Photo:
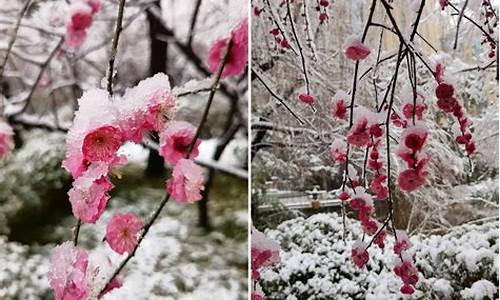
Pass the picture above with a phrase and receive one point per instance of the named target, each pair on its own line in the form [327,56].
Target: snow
[316,263]
[479,290]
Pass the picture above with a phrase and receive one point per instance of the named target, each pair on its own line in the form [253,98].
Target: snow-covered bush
[316,263]
[27,187]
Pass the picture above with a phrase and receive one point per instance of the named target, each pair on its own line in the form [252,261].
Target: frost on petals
[356,50]
[238,54]
[187,182]
[6,139]
[68,272]
[121,232]
[175,141]
[89,193]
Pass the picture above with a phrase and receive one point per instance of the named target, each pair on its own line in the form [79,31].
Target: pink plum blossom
[81,17]
[6,139]
[338,151]
[68,272]
[175,141]
[146,107]
[187,182]
[101,144]
[406,270]
[121,232]
[359,254]
[238,54]
[402,242]
[95,111]
[356,50]
[264,252]
[306,98]
[89,193]
[410,180]
[338,105]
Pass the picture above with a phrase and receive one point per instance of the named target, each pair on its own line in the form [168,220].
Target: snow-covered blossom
[95,111]
[359,254]
[356,50]
[365,124]
[6,139]
[406,270]
[413,139]
[306,98]
[238,53]
[338,151]
[175,141]
[187,182]
[402,242]
[81,18]
[121,232]
[146,107]
[89,193]
[338,105]
[264,252]
[68,272]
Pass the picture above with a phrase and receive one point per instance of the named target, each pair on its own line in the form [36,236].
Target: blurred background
[193,251]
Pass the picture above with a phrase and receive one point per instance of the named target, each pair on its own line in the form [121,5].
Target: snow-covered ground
[316,263]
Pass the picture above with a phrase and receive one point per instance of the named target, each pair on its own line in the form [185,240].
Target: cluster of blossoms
[100,127]
[367,133]
[404,267]
[322,9]
[448,102]
[279,38]
[81,14]
[488,12]
[6,138]
[102,124]
[411,150]
[264,252]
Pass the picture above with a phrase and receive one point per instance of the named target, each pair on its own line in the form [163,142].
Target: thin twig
[458,24]
[193,22]
[114,46]
[277,97]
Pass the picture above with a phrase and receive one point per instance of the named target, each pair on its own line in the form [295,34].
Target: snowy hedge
[316,263]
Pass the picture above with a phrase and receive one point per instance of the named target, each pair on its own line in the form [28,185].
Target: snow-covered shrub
[28,176]
[316,263]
